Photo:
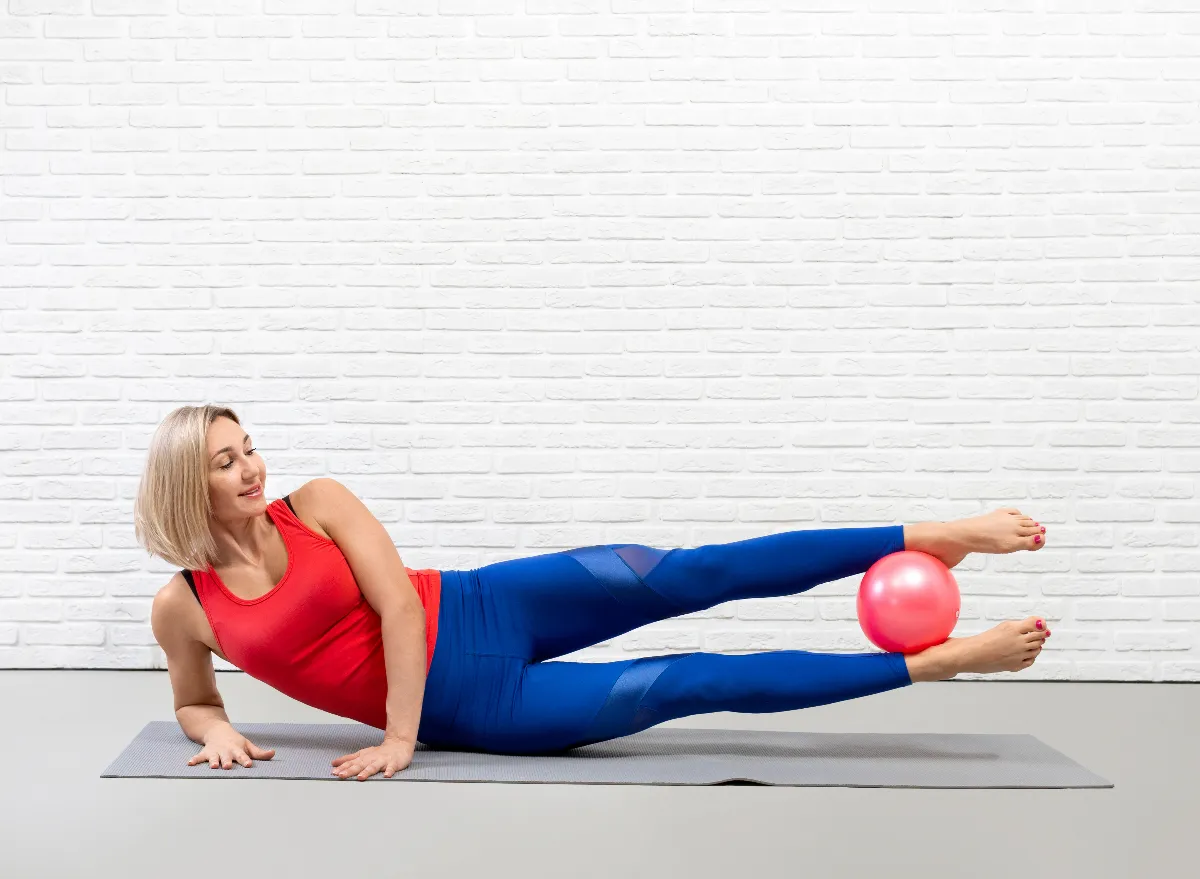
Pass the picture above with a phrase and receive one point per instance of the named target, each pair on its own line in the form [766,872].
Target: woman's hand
[226,745]
[392,756]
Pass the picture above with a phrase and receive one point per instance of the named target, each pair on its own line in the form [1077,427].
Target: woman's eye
[230,464]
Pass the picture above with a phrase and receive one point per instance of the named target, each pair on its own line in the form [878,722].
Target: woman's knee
[693,579]
[697,683]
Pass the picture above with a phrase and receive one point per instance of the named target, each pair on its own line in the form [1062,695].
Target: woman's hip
[483,690]
[472,665]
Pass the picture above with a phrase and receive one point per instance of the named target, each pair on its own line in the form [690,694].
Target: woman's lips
[253,493]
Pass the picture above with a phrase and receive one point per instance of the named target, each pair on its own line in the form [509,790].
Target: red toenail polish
[1043,530]
[1039,624]
[1037,538]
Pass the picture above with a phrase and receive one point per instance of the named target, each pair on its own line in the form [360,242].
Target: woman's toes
[1033,624]
[1031,534]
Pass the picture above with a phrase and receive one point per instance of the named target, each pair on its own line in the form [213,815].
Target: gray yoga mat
[662,755]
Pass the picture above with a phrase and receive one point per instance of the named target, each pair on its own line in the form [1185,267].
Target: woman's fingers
[218,760]
[234,756]
[226,756]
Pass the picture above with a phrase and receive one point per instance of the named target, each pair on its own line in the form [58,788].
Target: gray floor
[58,818]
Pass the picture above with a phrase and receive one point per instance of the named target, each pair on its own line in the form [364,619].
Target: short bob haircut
[173,509]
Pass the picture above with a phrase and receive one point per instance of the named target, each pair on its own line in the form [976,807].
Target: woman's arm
[404,653]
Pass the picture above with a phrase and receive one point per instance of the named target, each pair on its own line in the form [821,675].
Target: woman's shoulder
[305,504]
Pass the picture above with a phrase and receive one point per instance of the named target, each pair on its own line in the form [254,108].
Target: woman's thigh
[483,692]
[509,706]
[544,606]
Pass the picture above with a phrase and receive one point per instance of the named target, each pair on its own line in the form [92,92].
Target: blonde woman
[308,594]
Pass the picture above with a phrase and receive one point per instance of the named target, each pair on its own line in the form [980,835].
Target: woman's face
[234,468]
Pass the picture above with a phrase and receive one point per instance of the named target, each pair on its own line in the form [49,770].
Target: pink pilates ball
[908,601]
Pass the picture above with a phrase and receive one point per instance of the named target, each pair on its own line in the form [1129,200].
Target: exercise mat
[674,756]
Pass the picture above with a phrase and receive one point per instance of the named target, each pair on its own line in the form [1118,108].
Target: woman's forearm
[197,721]
[404,653]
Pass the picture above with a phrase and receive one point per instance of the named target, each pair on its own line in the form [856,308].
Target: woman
[267,587]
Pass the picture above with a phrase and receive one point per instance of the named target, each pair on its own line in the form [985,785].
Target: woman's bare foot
[1001,531]
[1011,646]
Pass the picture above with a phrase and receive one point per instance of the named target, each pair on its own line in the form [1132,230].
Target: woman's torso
[300,623]
[250,583]
[297,540]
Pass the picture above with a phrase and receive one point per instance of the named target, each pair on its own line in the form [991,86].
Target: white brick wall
[531,275]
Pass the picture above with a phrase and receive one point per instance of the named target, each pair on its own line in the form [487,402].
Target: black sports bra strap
[187,575]
[288,498]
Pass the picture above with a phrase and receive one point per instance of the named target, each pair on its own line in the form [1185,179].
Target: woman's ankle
[932,664]
[923,535]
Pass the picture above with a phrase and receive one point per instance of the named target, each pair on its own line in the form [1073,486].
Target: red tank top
[314,636]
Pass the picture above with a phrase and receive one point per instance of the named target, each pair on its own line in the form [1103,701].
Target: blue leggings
[491,687]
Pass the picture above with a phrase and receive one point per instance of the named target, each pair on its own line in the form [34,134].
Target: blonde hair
[172,510]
